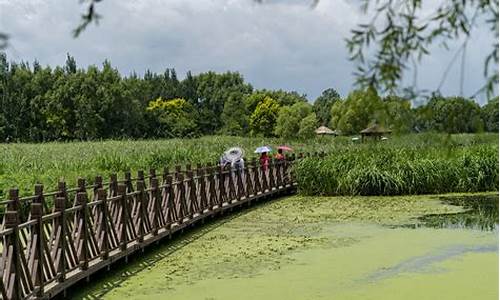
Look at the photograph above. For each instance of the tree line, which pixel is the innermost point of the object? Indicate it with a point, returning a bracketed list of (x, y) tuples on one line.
[(40, 103)]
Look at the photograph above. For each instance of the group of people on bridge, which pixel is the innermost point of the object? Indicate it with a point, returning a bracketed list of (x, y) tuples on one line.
[(235, 157)]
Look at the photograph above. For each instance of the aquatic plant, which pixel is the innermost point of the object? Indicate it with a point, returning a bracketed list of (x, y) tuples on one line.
[(378, 169)]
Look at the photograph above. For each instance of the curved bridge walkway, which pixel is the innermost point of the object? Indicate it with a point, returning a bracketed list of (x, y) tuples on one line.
[(52, 240)]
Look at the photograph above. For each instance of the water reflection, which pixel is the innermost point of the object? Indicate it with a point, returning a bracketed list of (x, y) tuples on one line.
[(481, 214)]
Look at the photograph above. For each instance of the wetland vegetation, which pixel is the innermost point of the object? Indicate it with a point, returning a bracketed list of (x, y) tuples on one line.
[(381, 169), (22, 164)]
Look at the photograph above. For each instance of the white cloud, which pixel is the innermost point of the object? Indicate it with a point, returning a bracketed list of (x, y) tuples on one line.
[(284, 44)]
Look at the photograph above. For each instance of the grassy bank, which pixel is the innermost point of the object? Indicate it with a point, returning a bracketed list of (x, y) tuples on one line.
[(23, 165)]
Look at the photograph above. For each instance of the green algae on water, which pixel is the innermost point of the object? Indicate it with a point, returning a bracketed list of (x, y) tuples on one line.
[(316, 248)]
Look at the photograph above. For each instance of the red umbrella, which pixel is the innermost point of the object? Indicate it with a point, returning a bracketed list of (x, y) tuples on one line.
[(285, 148)]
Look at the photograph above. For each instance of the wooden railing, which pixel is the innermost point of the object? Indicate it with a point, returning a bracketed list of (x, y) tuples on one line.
[(49, 241)]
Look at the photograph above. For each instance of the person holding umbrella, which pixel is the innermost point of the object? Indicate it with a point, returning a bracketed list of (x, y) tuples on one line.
[(233, 156), (280, 155), (264, 158)]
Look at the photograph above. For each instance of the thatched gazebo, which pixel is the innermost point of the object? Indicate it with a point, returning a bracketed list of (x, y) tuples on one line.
[(323, 130), (374, 131)]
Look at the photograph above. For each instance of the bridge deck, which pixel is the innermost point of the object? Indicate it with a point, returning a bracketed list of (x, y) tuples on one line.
[(52, 240)]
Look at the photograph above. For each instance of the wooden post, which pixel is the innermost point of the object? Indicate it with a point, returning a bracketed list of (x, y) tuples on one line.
[(140, 175), (81, 184), (124, 216), (155, 192), (193, 201), (128, 182), (239, 184), (182, 197), (263, 173), (104, 249), (200, 171), (14, 286), (222, 188), (113, 185), (97, 186), (256, 177), (60, 225), (165, 174), (271, 168), (230, 176), (279, 170), (152, 174), (83, 239), (171, 206), (61, 188), (249, 190), (36, 214), (212, 196), (142, 214)]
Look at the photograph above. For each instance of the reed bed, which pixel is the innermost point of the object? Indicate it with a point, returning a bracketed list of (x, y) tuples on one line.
[(22, 165), (381, 169)]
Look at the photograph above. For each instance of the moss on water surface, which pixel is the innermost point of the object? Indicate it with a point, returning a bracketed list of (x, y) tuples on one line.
[(315, 248)]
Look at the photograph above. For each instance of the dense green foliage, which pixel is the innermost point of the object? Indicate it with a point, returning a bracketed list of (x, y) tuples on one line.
[(323, 105), (417, 166), (489, 113), (40, 104), (439, 114), (175, 117), (451, 115), (290, 117), (359, 110), (307, 127), (263, 119)]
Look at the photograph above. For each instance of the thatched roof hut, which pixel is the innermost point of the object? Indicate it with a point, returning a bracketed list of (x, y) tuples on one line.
[(374, 130), (322, 130)]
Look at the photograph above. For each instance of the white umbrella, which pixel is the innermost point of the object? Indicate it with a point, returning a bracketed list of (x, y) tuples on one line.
[(233, 154), (263, 149)]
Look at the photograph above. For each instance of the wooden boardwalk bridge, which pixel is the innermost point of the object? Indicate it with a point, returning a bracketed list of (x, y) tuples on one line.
[(51, 240)]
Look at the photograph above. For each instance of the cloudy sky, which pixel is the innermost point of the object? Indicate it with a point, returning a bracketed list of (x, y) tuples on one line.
[(283, 44)]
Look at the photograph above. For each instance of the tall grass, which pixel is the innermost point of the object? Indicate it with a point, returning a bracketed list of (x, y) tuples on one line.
[(382, 169), (22, 165)]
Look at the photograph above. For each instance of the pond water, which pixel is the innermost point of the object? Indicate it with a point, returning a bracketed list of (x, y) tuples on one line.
[(419, 247)]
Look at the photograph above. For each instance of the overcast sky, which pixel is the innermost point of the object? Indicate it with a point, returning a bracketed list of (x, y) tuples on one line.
[(282, 45)]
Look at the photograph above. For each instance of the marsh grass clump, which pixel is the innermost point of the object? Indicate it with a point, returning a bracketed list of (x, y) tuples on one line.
[(379, 169)]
